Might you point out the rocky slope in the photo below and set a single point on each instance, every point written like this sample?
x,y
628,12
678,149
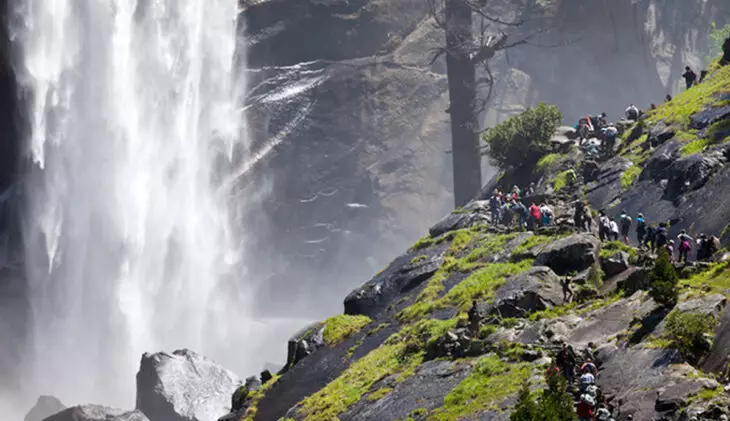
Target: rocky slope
x,y
402,351
354,116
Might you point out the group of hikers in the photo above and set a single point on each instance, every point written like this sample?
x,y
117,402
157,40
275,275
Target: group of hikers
x,y
509,210
591,403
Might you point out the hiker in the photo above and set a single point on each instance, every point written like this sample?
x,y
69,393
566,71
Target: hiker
x,y
566,360
516,192
585,407
625,221
640,229
584,129
703,75
661,237
495,204
649,238
578,214
588,352
609,138
613,233
589,367
587,218
535,217
690,77
670,250
522,213
632,113
546,214
507,212
667,98
586,379
531,189
474,319
604,226
725,52
685,245
567,291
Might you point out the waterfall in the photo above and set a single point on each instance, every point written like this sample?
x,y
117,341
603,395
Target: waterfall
x,y
132,118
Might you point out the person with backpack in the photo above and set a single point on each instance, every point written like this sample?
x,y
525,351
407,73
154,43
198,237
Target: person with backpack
x,y
566,361
649,238
661,237
613,233
578,214
685,245
546,214
670,250
604,226
632,113
625,221
495,205
585,407
535,217
690,77
475,318
640,229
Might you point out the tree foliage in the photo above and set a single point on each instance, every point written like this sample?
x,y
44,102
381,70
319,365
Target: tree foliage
x,y
555,403
717,37
522,140
690,333
663,281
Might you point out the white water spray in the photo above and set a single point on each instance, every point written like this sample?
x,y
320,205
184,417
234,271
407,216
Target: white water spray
x,y
129,245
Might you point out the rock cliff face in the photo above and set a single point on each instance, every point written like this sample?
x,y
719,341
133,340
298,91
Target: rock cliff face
x,y
406,350
352,117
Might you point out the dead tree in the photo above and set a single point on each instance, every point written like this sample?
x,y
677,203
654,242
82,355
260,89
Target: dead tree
x,y
465,50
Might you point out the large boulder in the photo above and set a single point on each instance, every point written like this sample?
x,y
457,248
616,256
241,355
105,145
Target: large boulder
x,y
183,386
571,254
98,413
616,263
691,173
304,343
44,408
404,274
534,290
473,213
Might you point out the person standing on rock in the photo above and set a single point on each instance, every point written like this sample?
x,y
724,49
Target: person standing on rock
x,y
690,77
640,229
661,237
625,221
567,291
579,214
546,214
649,241
613,236
474,320
632,113
535,217
495,205
685,245
566,361
609,139
604,226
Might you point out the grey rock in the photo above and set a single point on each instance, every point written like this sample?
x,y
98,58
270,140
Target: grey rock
x,y
718,358
709,116
400,276
44,407
708,304
252,383
97,413
656,166
616,263
534,290
571,254
303,344
183,386
474,213
691,173
660,133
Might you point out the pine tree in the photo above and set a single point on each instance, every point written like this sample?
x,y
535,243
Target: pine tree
x,y
663,281
555,404
526,408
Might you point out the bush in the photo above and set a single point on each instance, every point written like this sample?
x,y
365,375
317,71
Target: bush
x,y
555,404
663,281
689,333
522,140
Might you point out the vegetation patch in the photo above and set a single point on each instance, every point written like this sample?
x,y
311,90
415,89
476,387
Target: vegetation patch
x,y
693,147
554,312
629,176
546,161
533,242
422,243
418,259
563,180
693,100
714,280
491,382
612,247
379,394
690,333
339,328
520,141
256,397
663,281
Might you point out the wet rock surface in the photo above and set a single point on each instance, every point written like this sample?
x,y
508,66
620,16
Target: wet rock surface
x,y
183,386
97,413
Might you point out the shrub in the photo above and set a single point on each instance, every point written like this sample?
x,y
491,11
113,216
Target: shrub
x,y
663,281
688,332
555,404
522,140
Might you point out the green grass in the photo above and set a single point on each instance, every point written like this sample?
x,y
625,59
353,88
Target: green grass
x,y
554,312
546,161
714,280
254,399
419,259
692,101
693,147
658,343
422,243
561,180
715,130
339,328
629,176
610,248
533,242
379,394
601,303
492,381
706,395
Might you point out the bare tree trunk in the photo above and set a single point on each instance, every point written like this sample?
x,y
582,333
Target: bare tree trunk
x,y
461,72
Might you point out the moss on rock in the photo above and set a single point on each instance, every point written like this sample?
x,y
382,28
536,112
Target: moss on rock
x,y
339,328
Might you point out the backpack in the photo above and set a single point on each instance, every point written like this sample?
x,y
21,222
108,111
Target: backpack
x,y
588,399
626,222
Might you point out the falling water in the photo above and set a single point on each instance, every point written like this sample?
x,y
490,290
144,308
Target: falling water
x,y
128,240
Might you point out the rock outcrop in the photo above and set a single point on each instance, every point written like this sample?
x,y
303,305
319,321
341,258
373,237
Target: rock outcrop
x,y
97,413
572,254
183,386
44,408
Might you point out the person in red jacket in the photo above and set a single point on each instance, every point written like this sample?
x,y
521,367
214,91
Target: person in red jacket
x,y
535,216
